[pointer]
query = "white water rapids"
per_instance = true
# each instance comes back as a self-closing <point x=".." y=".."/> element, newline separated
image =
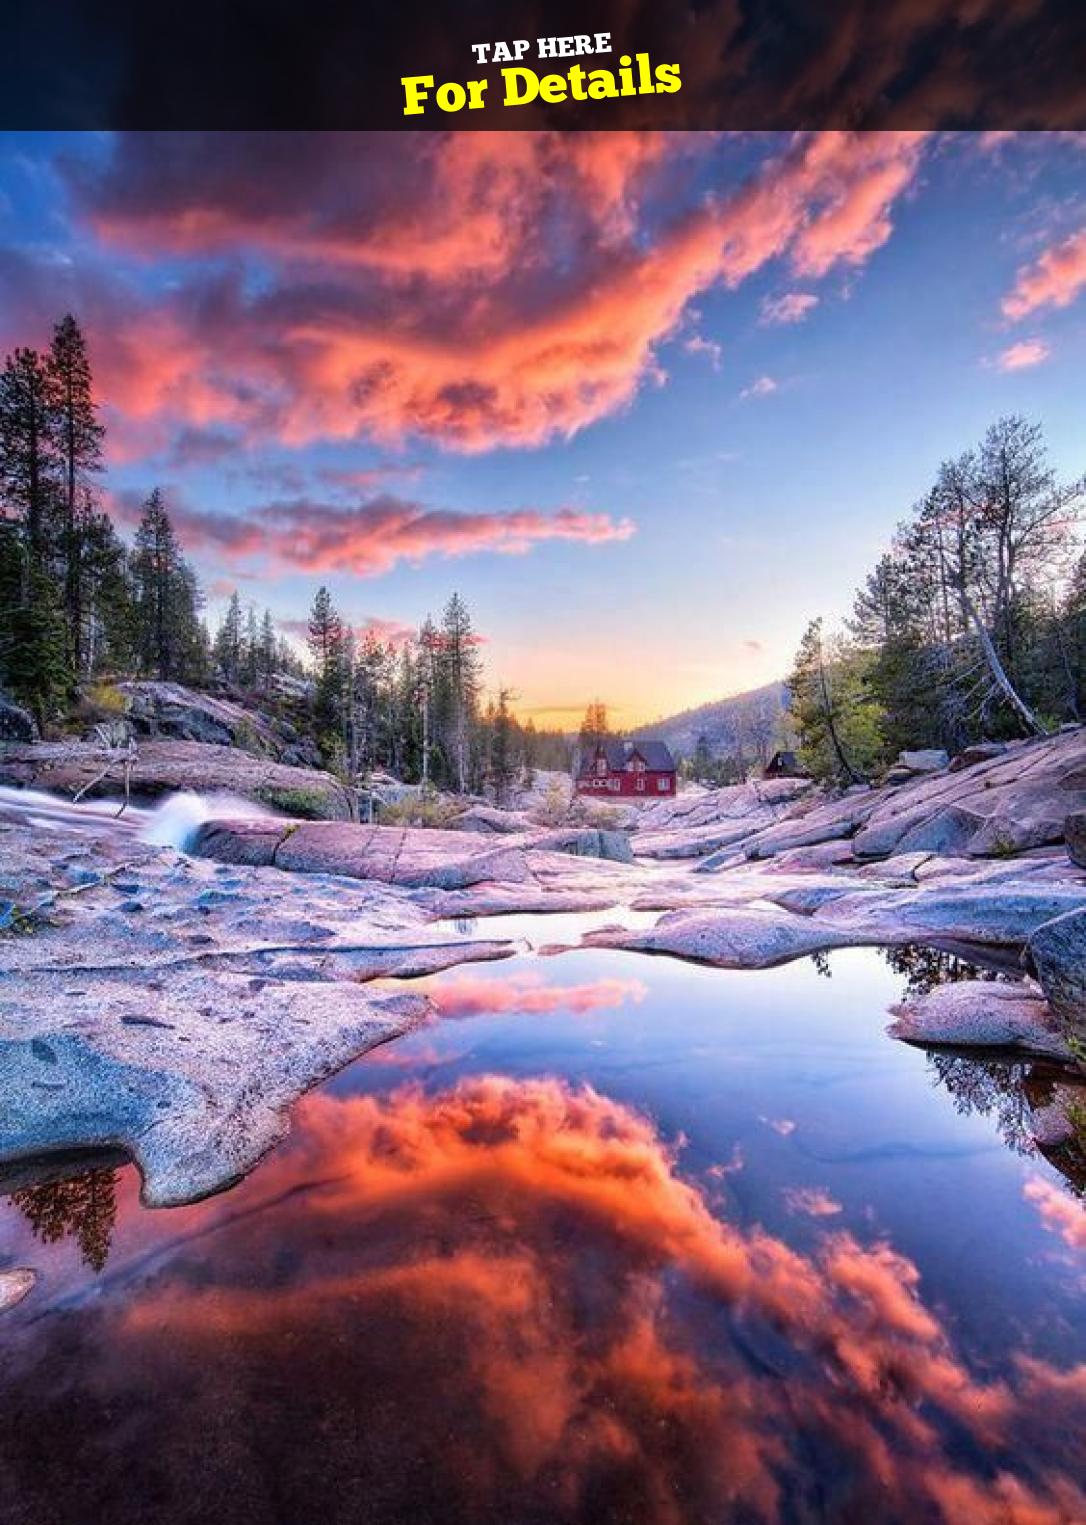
<point x="173" y="822"/>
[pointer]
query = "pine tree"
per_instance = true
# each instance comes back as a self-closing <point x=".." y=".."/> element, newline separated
<point x="78" y="435"/>
<point x="250" y="661"/>
<point x="106" y="603"/>
<point x="227" y="648"/>
<point x="327" y="648"/>
<point x="267" y="655"/>
<point x="458" y="687"/>
<point x="504" y="761"/>
<point x="33" y="649"/>
<point x="170" y="640"/>
<point x="29" y="456"/>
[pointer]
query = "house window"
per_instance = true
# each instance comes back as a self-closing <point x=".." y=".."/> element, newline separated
<point x="641" y="783"/>
<point x="663" y="784"/>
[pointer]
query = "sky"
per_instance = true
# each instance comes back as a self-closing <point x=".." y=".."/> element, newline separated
<point x="649" y="402"/>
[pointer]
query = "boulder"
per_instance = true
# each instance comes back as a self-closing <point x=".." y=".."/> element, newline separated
<point x="1058" y="951"/>
<point x="925" y="760"/>
<point x="586" y="842"/>
<point x="730" y="938"/>
<point x="1075" y="833"/>
<point x="1003" y="835"/>
<point x="827" y="822"/>
<point x="981" y="751"/>
<point x="16" y="724"/>
<point x="414" y="856"/>
<point x="166" y="767"/>
<point x="981" y="1014"/>
<point x="160" y="709"/>
<point x="15" y="1285"/>
<point x="946" y="832"/>
<point x="488" y="818"/>
<point x="999" y="915"/>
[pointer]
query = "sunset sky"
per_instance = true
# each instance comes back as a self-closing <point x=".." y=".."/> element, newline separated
<point x="648" y="402"/>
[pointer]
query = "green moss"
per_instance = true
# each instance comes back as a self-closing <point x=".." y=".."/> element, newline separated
<point x="308" y="804"/>
<point x="1003" y="847"/>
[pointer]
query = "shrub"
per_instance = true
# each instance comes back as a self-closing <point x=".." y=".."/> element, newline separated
<point x="554" y="806"/>
<point x="108" y="699"/>
<point x="419" y="810"/>
<point x="599" y="816"/>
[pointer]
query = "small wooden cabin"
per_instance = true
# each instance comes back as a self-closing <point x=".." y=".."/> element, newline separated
<point x="638" y="769"/>
<point x="784" y="765"/>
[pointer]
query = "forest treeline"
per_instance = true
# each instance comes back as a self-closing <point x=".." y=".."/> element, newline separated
<point x="972" y="625"/>
<point x="80" y="608"/>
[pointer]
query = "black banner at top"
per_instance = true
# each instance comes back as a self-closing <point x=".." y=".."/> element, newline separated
<point x="648" y="64"/>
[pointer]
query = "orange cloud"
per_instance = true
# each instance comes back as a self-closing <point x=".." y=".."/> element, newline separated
<point x="1054" y="279"/>
<point x="527" y="1257"/>
<point x="411" y="291"/>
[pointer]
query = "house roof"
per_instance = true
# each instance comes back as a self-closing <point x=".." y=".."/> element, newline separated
<point x="656" y="754"/>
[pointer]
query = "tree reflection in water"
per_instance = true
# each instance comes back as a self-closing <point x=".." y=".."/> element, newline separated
<point x="926" y="968"/>
<point x="994" y="1088"/>
<point x="1013" y="1093"/>
<point x="82" y="1207"/>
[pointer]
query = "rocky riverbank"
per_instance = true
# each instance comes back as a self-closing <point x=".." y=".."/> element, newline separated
<point x="174" y="1005"/>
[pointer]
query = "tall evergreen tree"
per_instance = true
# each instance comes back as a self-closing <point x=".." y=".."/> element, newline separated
<point x="33" y="650"/>
<point x="268" y="651"/>
<point x="328" y="650"/>
<point x="459" y="686"/>
<point x="78" y="437"/>
<point x="504" y="752"/>
<point x="227" y="647"/>
<point x="170" y="640"/>
<point x="29" y="456"/>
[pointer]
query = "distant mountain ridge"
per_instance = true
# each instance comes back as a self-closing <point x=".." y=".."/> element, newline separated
<point x="738" y="723"/>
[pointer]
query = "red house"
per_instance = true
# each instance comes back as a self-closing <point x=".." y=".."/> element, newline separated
<point x="642" y="769"/>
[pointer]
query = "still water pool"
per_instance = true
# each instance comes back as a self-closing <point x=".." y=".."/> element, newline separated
<point x="615" y="1240"/>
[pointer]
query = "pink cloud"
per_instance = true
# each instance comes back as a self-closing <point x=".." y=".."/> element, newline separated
<point x="373" y="537"/>
<point x="406" y="290"/>
<point x="792" y="307"/>
<point x="1054" y="279"/>
<point x="1023" y="355"/>
<point x="470" y="996"/>
<point x="1059" y="1213"/>
<point x="812" y="1201"/>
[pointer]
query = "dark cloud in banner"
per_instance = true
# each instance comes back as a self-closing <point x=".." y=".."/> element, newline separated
<point x="744" y="64"/>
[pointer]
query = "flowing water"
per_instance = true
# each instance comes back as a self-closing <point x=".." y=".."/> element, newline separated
<point x="614" y="1239"/>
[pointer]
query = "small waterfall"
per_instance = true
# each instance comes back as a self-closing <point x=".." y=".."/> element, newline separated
<point x="173" y="822"/>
